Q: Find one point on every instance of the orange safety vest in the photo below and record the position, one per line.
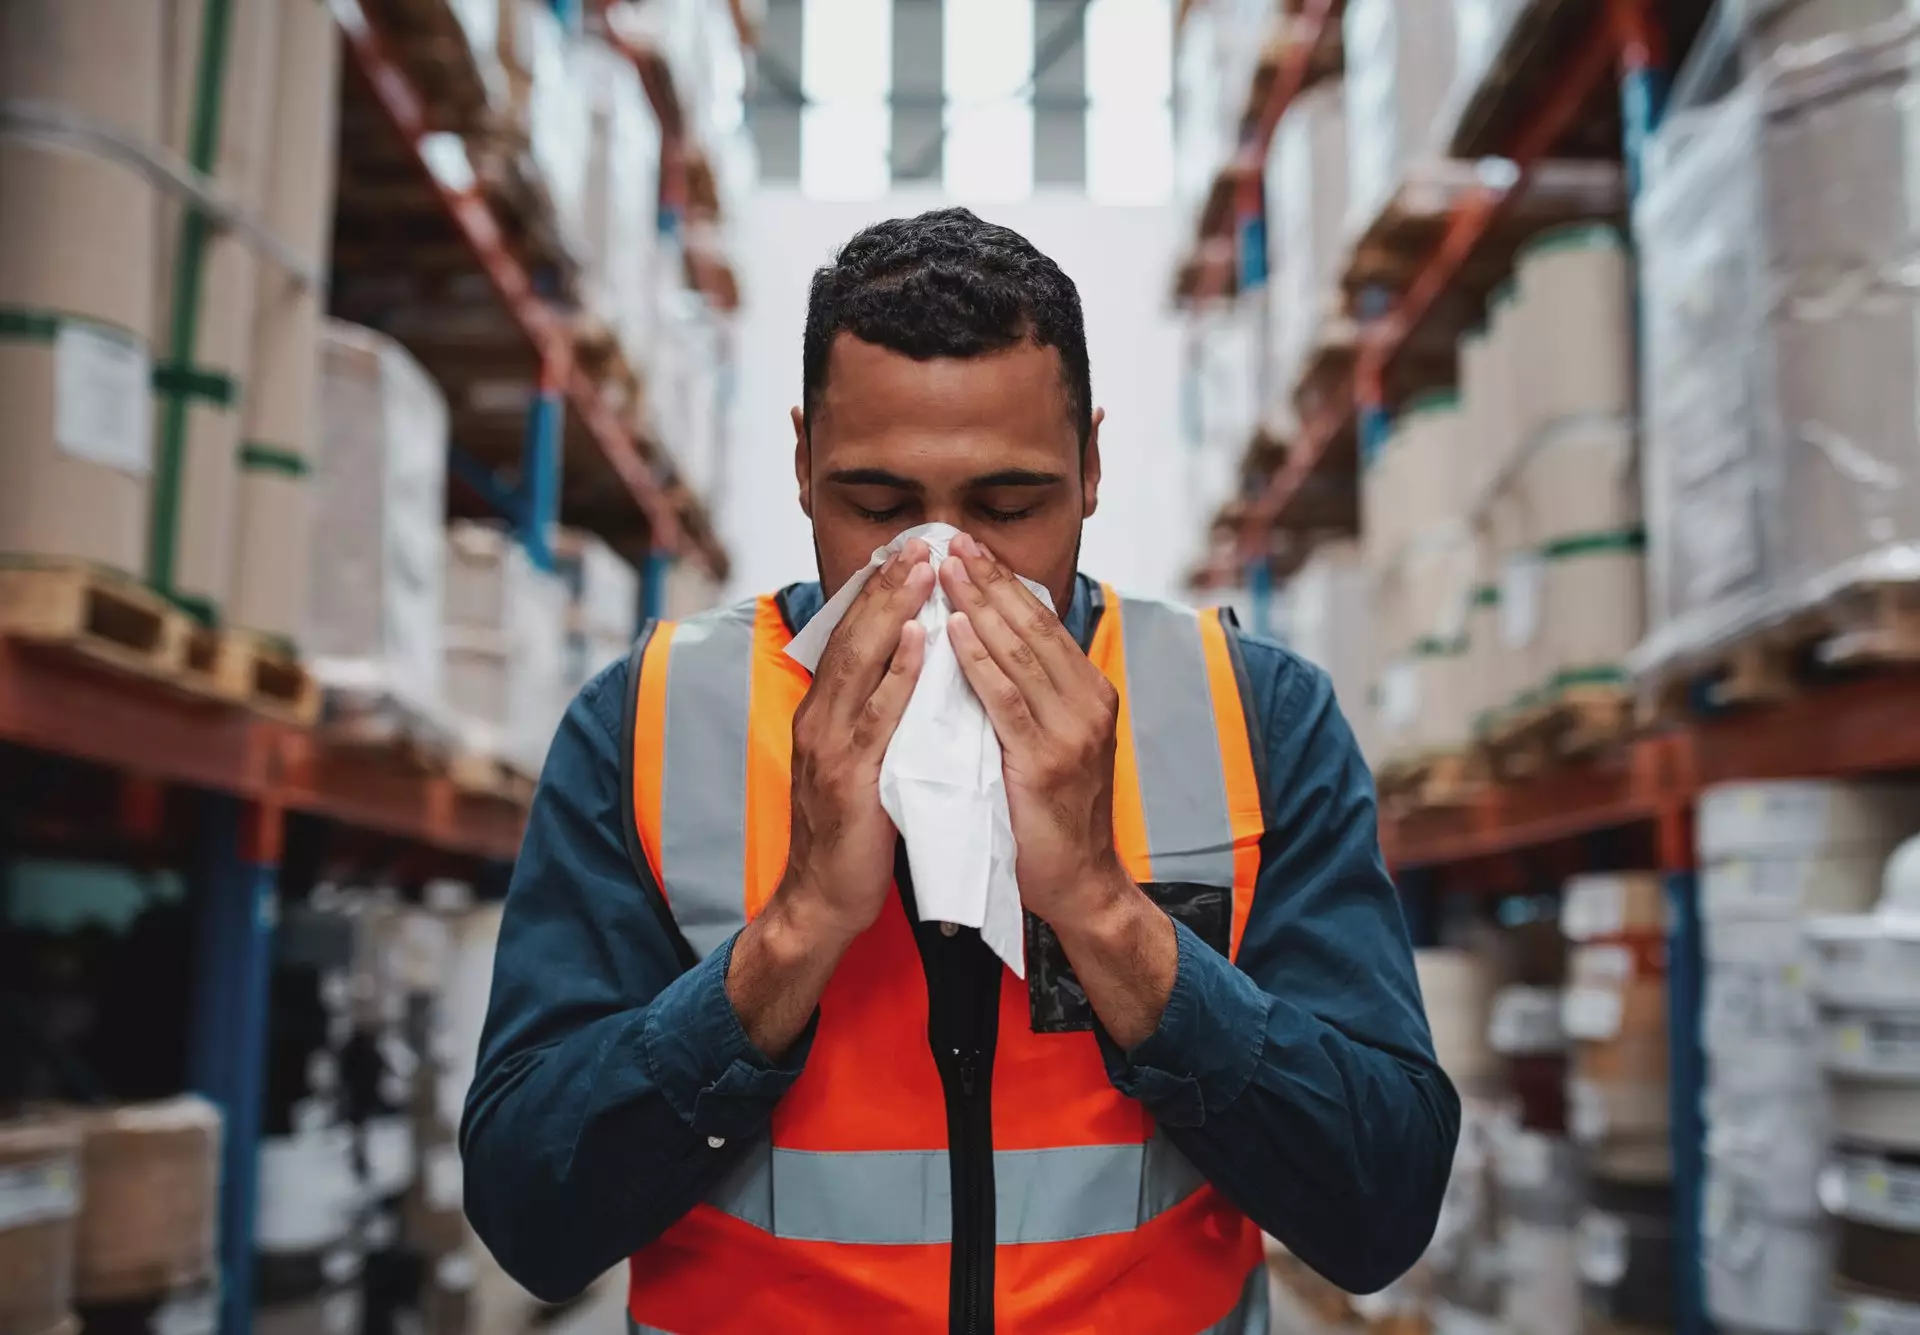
(843, 1219)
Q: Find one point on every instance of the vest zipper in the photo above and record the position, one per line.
(970, 1135)
(963, 1021)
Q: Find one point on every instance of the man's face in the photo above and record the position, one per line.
(982, 443)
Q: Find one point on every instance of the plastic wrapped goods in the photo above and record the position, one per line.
(1333, 628)
(1400, 57)
(1783, 444)
(559, 115)
(621, 201)
(603, 589)
(77, 264)
(505, 646)
(1480, 31)
(376, 579)
(1306, 220)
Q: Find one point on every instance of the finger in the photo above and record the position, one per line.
(1012, 653)
(1006, 704)
(860, 646)
(881, 714)
(1035, 622)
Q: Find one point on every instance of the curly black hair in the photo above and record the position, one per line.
(947, 284)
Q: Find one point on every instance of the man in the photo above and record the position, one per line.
(723, 1044)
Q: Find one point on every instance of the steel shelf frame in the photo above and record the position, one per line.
(250, 775)
(535, 504)
(1624, 34)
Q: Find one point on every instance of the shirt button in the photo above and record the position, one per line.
(716, 1142)
(949, 928)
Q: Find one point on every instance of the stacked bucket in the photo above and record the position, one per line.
(1771, 854)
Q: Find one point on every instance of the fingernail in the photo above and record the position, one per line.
(959, 569)
(963, 544)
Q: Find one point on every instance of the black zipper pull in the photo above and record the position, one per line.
(964, 1065)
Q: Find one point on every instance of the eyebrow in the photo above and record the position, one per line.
(880, 477)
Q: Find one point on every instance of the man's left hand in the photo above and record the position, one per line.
(1055, 715)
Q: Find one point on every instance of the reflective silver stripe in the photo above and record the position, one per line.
(905, 1197)
(1183, 787)
(703, 803)
(1252, 1314)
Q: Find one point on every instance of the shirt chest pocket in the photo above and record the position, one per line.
(1057, 1004)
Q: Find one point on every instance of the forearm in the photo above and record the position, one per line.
(782, 962)
(1126, 956)
(565, 1177)
(579, 1152)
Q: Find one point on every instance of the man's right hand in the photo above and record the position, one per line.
(840, 851)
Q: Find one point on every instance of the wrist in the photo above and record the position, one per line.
(1107, 912)
(806, 922)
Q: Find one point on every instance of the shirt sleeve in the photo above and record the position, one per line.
(612, 1089)
(1300, 1078)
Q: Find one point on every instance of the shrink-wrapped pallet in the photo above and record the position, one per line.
(204, 296)
(1783, 441)
(1615, 1011)
(1576, 286)
(619, 222)
(77, 250)
(1400, 58)
(1481, 28)
(505, 646)
(1306, 220)
(376, 576)
(1332, 626)
(272, 552)
(559, 115)
(603, 604)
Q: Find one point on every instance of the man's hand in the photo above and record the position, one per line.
(1055, 714)
(840, 853)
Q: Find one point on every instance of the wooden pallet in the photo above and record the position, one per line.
(1581, 720)
(1392, 251)
(1433, 779)
(490, 778)
(1871, 626)
(95, 615)
(252, 671)
(511, 182)
(378, 724)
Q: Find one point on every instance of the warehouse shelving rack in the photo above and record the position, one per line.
(238, 779)
(1634, 807)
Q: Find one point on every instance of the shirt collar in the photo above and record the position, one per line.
(801, 601)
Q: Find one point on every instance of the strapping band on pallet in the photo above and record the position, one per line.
(197, 382)
(57, 127)
(29, 324)
(1622, 541)
(258, 457)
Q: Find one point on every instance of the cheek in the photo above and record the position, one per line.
(1043, 550)
(844, 548)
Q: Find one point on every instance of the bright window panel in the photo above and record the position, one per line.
(846, 68)
(989, 153)
(1130, 51)
(1129, 153)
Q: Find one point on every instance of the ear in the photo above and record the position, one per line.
(1090, 468)
(803, 461)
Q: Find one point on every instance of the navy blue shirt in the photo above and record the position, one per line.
(615, 1089)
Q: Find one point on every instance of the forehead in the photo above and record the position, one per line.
(1013, 400)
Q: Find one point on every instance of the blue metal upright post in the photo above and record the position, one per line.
(1260, 588)
(653, 585)
(539, 490)
(228, 1044)
(1687, 1089)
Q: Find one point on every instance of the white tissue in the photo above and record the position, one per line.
(941, 780)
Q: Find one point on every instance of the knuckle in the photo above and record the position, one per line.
(1023, 656)
(1042, 622)
(1009, 697)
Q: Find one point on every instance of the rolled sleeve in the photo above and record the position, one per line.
(1204, 1053)
(702, 1061)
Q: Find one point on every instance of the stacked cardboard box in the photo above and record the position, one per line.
(1332, 626)
(1306, 183)
(39, 1209)
(78, 242)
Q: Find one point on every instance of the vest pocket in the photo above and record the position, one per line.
(1057, 1004)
